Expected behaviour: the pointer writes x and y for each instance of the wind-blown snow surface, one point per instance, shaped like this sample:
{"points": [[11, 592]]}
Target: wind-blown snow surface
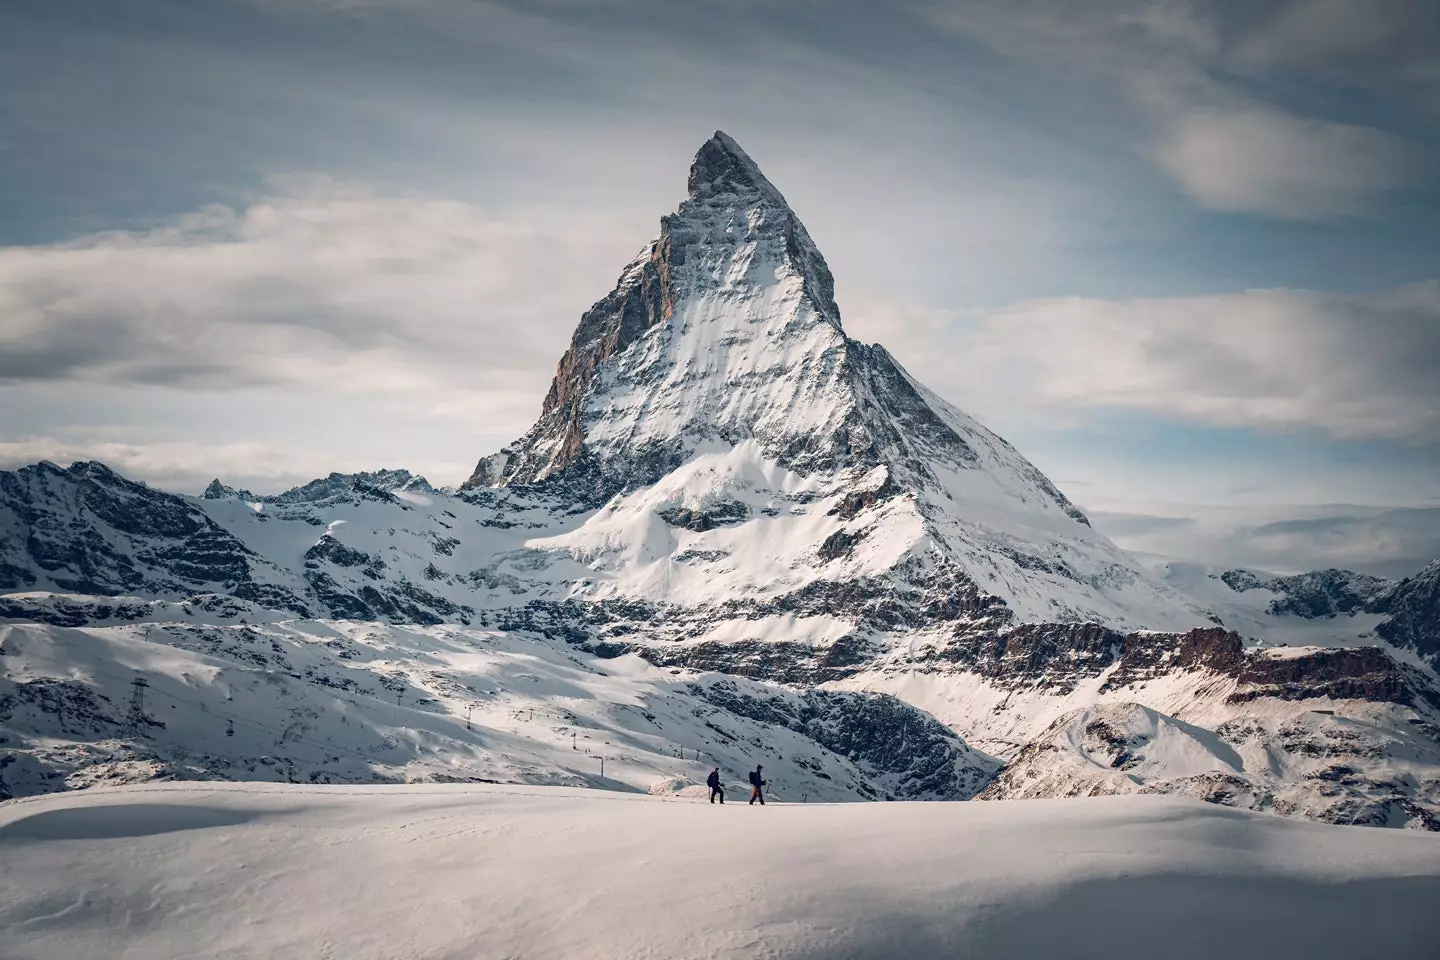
{"points": [[235, 871]]}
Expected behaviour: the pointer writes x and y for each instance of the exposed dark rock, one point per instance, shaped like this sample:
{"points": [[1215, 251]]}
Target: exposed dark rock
{"points": [[877, 731], [860, 500], [375, 485], [1051, 655], [1321, 593], [793, 663], [641, 299], [68, 612], [1354, 673], [840, 543], [1413, 606], [1149, 655], [219, 491], [70, 707], [87, 530], [716, 515], [331, 550]]}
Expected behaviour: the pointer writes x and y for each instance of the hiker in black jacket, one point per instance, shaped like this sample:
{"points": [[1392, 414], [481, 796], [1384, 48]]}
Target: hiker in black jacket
{"points": [[756, 783], [713, 782]]}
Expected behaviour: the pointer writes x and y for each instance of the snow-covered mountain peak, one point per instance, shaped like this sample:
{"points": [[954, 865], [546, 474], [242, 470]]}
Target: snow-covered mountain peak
{"points": [[730, 197], [365, 484], [721, 164], [723, 328], [722, 340]]}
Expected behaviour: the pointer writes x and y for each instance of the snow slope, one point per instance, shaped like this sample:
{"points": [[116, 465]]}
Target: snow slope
{"points": [[234, 871], [355, 702]]}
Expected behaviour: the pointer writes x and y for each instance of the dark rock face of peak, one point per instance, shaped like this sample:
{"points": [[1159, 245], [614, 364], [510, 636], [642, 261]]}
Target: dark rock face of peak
{"points": [[730, 202], [1414, 609], [370, 484], [721, 165], [219, 491], [642, 298], [1320, 593]]}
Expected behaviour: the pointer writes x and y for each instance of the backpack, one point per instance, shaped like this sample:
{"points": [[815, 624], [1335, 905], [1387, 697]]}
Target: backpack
{"points": [[754, 778], [713, 780]]}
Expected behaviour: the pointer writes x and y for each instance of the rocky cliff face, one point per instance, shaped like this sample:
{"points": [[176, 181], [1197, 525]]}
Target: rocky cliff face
{"points": [[1321, 593], [1412, 609], [724, 488], [88, 530]]}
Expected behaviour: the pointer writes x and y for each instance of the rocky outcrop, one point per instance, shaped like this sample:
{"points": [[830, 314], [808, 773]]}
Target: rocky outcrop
{"points": [[1413, 609], [219, 491], [87, 530], [1052, 656], [916, 757], [376, 485], [642, 298], [1356, 673], [1320, 593], [1149, 655]]}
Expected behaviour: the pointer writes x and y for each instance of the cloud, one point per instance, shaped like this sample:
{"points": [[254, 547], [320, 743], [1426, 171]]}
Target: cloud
{"points": [[1204, 77], [1380, 541], [1357, 366], [318, 285], [1266, 161], [1311, 34], [1133, 524]]}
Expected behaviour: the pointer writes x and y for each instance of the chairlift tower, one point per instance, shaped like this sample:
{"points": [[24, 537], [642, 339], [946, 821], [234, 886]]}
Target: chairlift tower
{"points": [[137, 719]]}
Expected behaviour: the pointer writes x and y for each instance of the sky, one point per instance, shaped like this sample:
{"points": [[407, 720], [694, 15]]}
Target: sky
{"points": [[1184, 255]]}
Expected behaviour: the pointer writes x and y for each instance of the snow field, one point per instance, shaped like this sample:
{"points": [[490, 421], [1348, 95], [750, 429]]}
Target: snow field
{"points": [[346, 701], [247, 870]]}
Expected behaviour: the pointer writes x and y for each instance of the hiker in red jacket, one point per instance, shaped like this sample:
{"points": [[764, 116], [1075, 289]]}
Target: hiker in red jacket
{"points": [[756, 783], [713, 782]]}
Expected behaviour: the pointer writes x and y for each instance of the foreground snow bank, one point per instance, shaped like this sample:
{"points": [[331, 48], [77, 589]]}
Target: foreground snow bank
{"points": [[268, 870]]}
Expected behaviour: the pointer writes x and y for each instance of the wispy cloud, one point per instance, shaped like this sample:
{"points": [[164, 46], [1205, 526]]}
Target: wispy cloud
{"points": [[1266, 161], [1280, 539], [1357, 366], [1204, 75], [320, 284]]}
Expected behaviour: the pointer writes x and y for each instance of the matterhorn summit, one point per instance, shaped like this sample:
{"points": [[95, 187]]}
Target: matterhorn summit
{"points": [[716, 383], [723, 328]]}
